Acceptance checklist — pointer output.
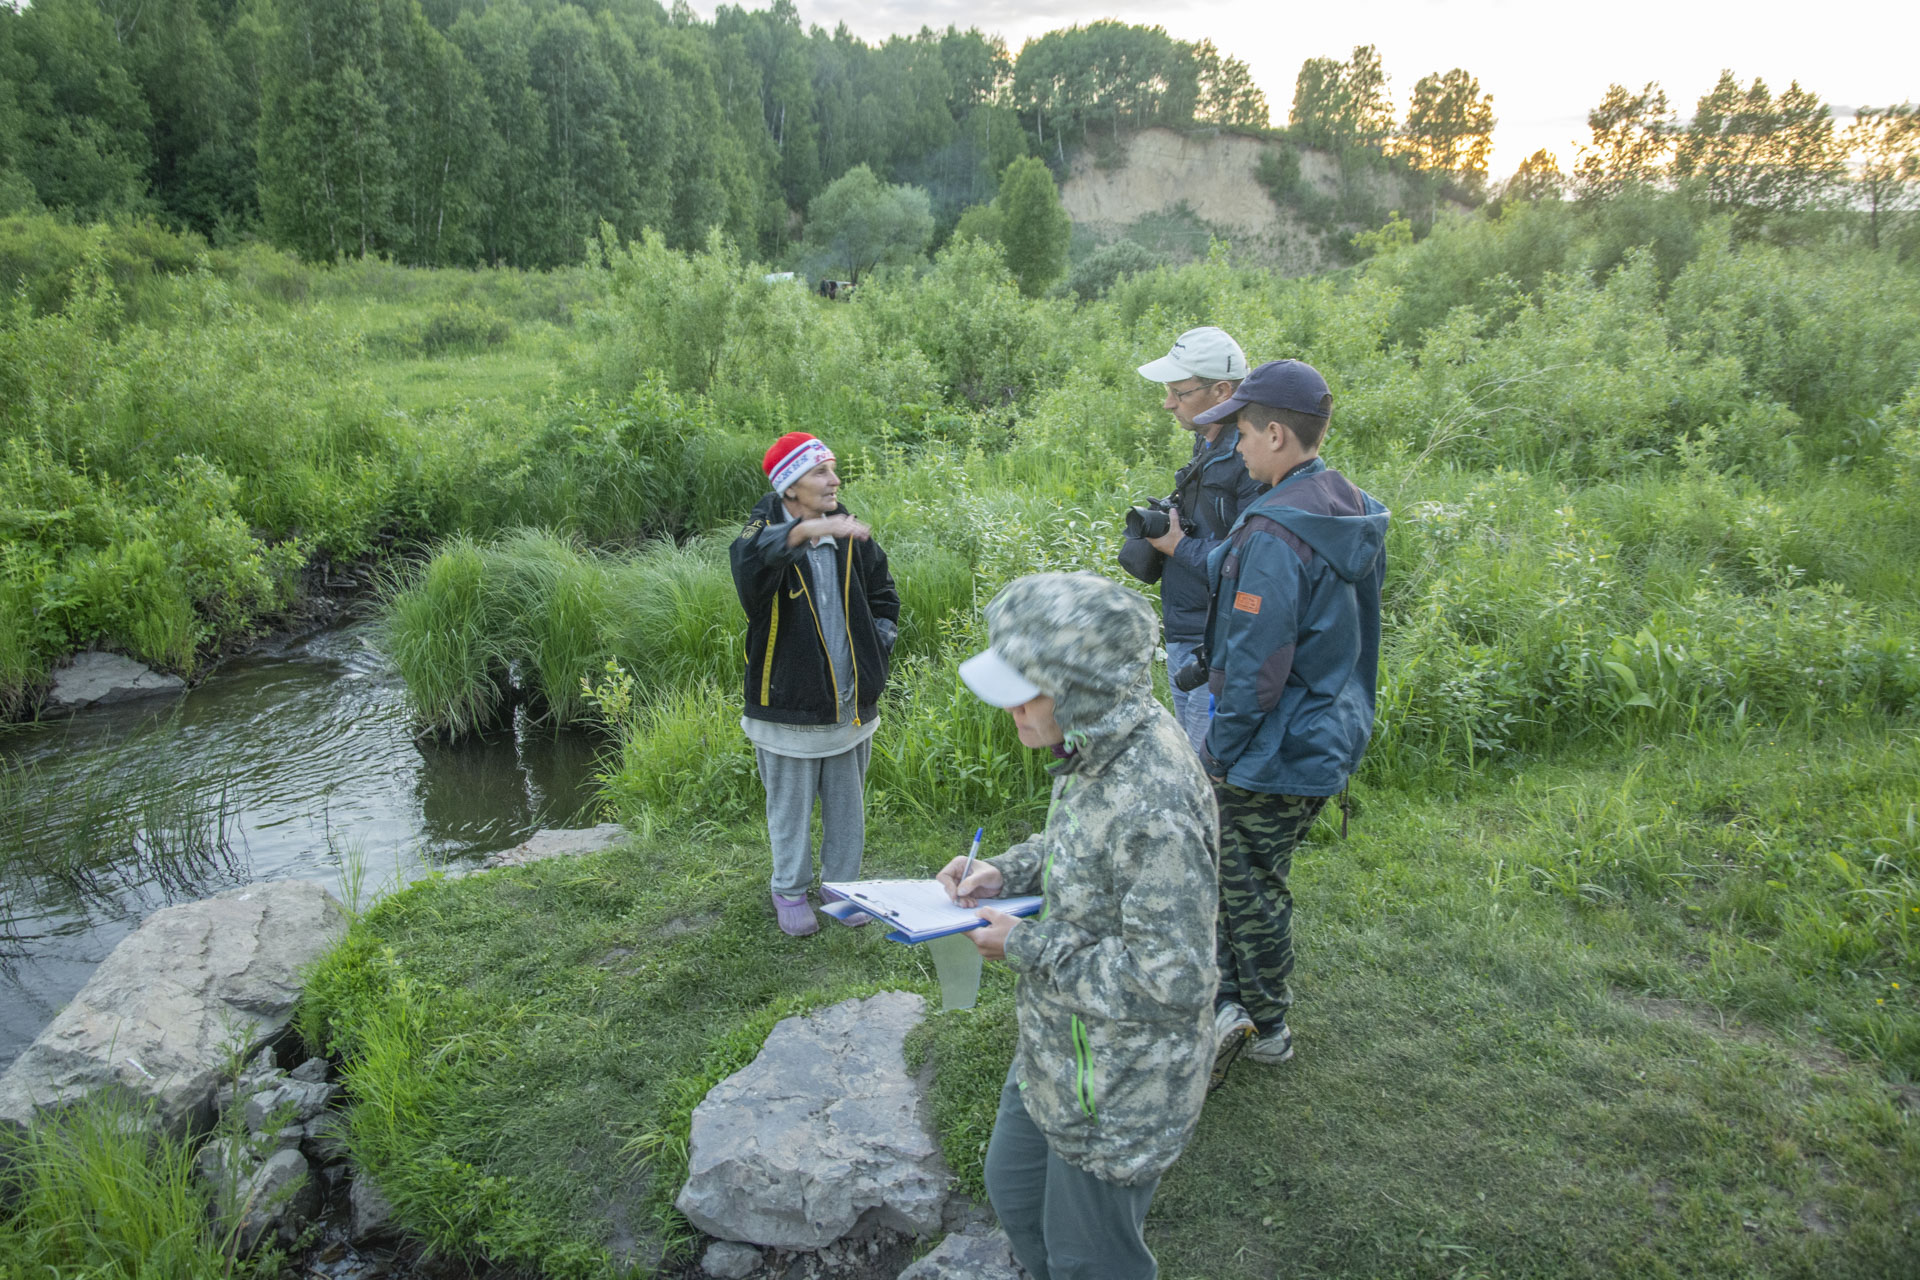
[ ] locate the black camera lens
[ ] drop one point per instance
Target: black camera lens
(1191, 676)
(1146, 522)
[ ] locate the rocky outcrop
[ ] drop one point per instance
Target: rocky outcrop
(1206, 179)
(101, 679)
(263, 1185)
(823, 1133)
(557, 843)
(163, 1015)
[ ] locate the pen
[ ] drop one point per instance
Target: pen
(970, 855)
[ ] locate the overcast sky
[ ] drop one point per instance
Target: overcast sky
(1543, 69)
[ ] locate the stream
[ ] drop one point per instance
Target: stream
(294, 760)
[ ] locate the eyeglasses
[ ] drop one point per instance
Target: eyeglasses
(1182, 395)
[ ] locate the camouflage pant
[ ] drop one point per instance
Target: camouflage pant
(1258, 833)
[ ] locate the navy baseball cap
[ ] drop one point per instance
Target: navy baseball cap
(1278, 384)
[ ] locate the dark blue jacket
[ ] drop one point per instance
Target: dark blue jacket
(1214, 489)
(1295, 639)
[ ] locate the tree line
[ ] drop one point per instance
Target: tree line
(444, 132)
(466, 131)
(1746, 151)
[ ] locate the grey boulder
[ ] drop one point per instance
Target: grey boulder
(287, 1102)
(162, 1013)
(823, 1132)
(279, 1199)
(557, 842)
(983, 1256)
(372, 1211)
(730, 1260)
(100, 679)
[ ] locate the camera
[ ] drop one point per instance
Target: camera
(1154, 518)
(1191, 676)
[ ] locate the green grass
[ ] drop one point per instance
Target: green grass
(1516, 1057)
(1607, 971)
(99, 1194)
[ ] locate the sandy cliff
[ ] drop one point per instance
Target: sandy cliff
(1213, 175)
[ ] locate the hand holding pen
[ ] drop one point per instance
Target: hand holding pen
(964, 882)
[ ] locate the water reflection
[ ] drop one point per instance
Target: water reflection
(277, 767)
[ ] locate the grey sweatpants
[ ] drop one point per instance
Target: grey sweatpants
(1063, 1223)
(839, 782)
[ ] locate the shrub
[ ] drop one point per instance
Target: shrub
(1104, 267)
(463, 326)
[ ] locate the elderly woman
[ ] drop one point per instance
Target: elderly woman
(822, 616)
(1116, 975)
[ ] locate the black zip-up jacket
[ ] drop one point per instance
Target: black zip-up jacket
(789, 677)
(1214, 488)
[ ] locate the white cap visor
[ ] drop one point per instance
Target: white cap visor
(995, 682)
(1166, 369)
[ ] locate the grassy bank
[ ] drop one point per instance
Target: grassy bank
(1614, 974)
(1596, 1016)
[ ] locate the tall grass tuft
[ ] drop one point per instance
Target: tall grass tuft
(97, 1191)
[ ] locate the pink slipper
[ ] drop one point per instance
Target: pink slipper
(796, 915)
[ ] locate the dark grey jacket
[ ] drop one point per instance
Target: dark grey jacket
(1214, 489)
(789, 675)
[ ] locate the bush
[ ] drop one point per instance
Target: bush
(1103, 268)
(463, 326)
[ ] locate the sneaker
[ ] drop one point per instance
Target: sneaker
(1232, 1030)
(857, 920)
(1271, 1051)
(796, 915)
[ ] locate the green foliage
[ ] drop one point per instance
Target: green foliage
(702, 319)
(984, 341)
(463, 326)
(1449, 127)
(1034, 229)
(1342, 106)
(97, 1192)
(1100, 270)
(1757, 154)
(1105, 74)
(860, 222)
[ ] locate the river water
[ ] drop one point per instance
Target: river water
(294, 760)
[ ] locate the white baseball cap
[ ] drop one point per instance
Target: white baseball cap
(995, 682)
(1205, 352)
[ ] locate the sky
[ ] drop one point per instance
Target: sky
(1544, 71)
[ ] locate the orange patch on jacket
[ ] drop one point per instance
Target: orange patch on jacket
(1245, 602)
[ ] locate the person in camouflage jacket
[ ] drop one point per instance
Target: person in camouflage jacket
(1116, 974)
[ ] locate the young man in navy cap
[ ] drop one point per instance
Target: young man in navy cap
(1203, 369)
(1293, 654)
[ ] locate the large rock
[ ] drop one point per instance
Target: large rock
(968, 1256)
(372, 1211)
(823, 1132)
(556, 842)
(162, 1013)
(280, 1198)
(98, 679)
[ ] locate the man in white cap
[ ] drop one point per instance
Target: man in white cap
(1203, 369)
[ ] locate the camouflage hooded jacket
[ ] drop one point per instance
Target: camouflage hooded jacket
(1117, 976)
